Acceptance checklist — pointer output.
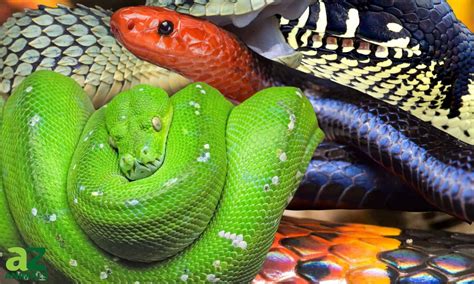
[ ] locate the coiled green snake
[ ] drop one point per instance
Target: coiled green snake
(243, 163)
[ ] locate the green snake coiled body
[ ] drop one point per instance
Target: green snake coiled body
(50, 141)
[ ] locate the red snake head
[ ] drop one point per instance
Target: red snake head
(193, 47)
(163, 36)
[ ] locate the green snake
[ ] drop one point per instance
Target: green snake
(223, 177)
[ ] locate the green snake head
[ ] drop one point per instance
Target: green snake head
(139, 137)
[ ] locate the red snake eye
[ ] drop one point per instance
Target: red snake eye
(165, 28)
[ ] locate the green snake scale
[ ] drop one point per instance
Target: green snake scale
(210, 209)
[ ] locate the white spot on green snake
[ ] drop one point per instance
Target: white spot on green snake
(29, 89)
(184, 277)
(34, 211)
(132, 202)
(197, 112)
(74, 167)
(75, 200)
(52, 217)
(34, 120)
(203, 92)
(97, 193)
(291, 125)
(195, 104)
(237, 240)
(73, 262)
(283, 157)
(103, 275)
(207, 146)
(198, 86)
(101, 146)
(170, 182)
(216, 263)
(204, 158)
(299, 94)
(141, 89)
(82, 188)
(123, 117)
(243, 245)
(212, 278)
(239, 244)
(275, 180)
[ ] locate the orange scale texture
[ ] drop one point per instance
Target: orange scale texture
(309, 251)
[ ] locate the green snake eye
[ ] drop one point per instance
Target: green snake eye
(156, 122)
(165, 28)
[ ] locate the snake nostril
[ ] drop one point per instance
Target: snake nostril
(131, 25)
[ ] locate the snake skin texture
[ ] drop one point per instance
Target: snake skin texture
(450, 257)
(411, 53)
(341, 177)
(437, 165)
(414, 54)
(308, 251)
(444, 174)
(400, 58)
(76, 43)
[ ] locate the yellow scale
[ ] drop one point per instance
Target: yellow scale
(390, 81)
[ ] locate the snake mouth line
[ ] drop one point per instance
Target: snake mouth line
(141, 170)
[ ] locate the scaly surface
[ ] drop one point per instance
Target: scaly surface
(437, 165)
(76, 43)
(43, 125)
(100, 67)
(309, 251)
